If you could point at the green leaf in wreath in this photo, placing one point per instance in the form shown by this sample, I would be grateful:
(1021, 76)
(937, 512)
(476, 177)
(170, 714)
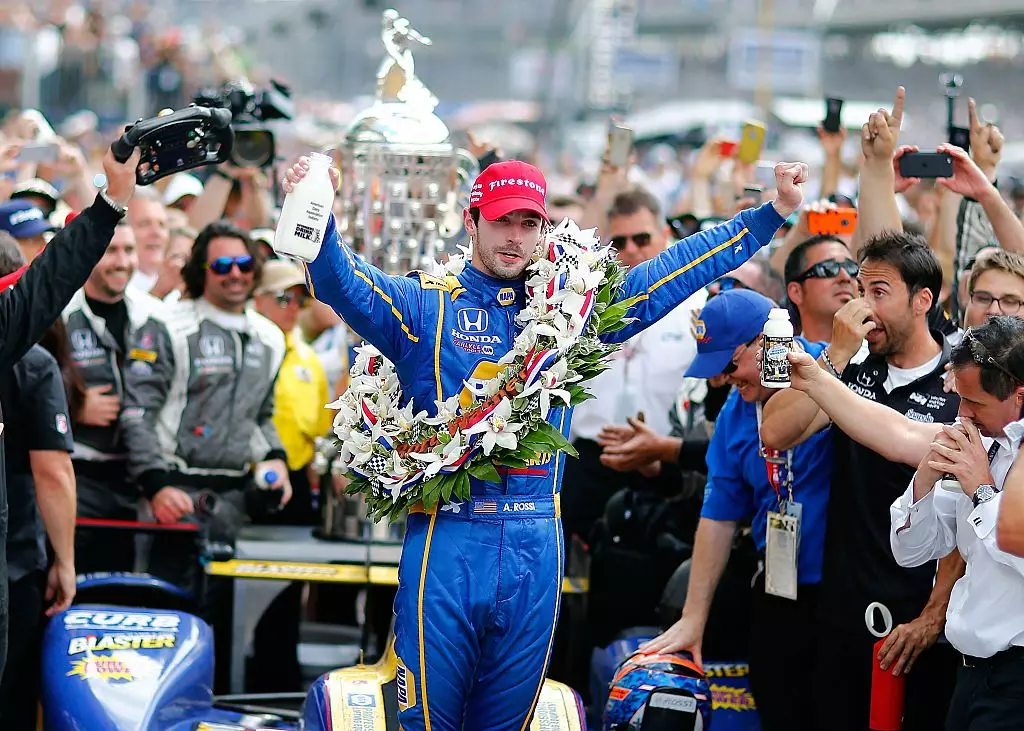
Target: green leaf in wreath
(448, 484)
(484, 470)
(558, 441)
(462, 486)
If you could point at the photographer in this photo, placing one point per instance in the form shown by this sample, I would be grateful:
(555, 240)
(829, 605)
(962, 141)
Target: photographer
(30, 306)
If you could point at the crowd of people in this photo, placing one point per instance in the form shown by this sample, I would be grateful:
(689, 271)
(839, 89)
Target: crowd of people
(191, 358)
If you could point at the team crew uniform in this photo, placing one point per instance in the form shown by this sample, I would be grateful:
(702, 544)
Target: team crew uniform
(480, 582)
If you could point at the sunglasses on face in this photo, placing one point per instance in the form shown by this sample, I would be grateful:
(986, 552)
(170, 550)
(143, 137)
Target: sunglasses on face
(830, 269)
(641, 240)
(284, 299)
(733, 365)
(222, 265)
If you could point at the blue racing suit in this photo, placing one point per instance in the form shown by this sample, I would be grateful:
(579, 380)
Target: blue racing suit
(479, 587)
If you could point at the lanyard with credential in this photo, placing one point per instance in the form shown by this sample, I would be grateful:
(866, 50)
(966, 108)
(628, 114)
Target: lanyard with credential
(780, 468)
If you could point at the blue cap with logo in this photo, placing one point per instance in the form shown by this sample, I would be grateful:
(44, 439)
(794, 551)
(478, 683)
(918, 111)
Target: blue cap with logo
(729, 320)
(23, 219)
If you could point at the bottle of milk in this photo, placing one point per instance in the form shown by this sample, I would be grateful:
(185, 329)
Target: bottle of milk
(306, 211)
(778, 343)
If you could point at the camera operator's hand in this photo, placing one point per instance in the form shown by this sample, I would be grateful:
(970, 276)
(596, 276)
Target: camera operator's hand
(986, 143)
(882, 132)
(299, 170)
(121, 176)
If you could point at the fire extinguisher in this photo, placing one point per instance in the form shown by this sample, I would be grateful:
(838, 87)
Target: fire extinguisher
(887, 690)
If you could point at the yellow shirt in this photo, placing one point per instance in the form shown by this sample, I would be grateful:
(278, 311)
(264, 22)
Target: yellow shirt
(300, 395)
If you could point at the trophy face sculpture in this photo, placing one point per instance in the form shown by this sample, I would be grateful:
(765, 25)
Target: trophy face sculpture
(404, 185)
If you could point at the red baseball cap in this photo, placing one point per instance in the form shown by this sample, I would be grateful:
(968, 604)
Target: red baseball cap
(509, 186)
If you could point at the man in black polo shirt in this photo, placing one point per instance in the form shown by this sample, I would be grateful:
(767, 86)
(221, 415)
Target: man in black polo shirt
(899, 280)
(40, 482)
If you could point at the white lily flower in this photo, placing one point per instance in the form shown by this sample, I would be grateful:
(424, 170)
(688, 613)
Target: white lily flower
(560, 328)
(364, 352)
(497, 429)
(399, 469)
(441, 457)
(456, 264)
(446, 411)
(548, 385)
(356, 449)
(520, 346)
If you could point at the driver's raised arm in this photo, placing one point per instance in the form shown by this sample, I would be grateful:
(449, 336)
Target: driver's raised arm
(660, 285)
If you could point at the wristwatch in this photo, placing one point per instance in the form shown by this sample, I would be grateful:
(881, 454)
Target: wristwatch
(984, 493)
(118, 208)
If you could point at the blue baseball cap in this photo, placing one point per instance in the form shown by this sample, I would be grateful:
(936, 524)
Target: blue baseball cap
(23, 219)
(728, 320)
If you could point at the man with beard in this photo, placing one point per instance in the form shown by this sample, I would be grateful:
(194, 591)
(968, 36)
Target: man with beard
(199, 402)
(479, 588)
(900, 280)
(100, 320)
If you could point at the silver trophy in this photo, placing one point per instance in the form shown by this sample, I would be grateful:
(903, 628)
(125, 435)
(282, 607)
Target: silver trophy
(404, 185)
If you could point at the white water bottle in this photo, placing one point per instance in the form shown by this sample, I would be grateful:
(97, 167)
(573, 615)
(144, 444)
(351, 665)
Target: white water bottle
(778, 343)
(306, 212)
(267, 478)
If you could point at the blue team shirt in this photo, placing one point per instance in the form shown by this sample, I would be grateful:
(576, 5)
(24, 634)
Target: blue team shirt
(738, 486)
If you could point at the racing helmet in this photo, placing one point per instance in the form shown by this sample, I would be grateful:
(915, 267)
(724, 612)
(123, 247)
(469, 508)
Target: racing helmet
(658, 692)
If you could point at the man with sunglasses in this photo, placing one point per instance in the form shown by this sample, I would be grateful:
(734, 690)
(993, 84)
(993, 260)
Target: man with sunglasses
(642, 377)
(821, 277)
(477, 656)
(747, 482)
(199, 406)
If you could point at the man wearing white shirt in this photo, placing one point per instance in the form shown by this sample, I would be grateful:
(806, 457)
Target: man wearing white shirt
(642, 378)
(984, 620)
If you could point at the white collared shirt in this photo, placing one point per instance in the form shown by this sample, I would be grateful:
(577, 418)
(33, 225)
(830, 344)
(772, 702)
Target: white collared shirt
(986, 609)
(643, 376)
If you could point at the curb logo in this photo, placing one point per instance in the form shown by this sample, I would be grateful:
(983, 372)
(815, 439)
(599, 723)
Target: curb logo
(104, 667)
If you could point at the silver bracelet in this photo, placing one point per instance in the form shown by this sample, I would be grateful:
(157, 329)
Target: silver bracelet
(118, 208)
(831, 366)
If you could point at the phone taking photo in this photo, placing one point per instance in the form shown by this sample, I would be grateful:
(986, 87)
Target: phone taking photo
(926, 165)
(39, 152)
(755, 192)
(620, 145)
(751, 142)
(833, 115)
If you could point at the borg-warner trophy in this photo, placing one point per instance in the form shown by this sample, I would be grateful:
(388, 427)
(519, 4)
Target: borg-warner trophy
(404, 187)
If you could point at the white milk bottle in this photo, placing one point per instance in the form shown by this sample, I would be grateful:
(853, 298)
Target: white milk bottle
(778, 343)
(306, 211)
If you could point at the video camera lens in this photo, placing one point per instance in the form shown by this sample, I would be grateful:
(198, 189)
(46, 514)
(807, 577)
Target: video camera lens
(253, 148)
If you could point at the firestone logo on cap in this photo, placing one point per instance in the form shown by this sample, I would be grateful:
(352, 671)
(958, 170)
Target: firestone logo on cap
(521, 182)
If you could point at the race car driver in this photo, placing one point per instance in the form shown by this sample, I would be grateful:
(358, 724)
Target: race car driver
(479, 588)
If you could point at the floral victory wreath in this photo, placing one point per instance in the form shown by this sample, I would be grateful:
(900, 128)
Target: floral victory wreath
(397, 458)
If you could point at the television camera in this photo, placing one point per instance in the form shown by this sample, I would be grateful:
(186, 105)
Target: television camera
(251, 111)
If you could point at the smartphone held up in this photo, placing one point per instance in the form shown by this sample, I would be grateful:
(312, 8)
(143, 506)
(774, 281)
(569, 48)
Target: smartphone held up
(926, 165)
